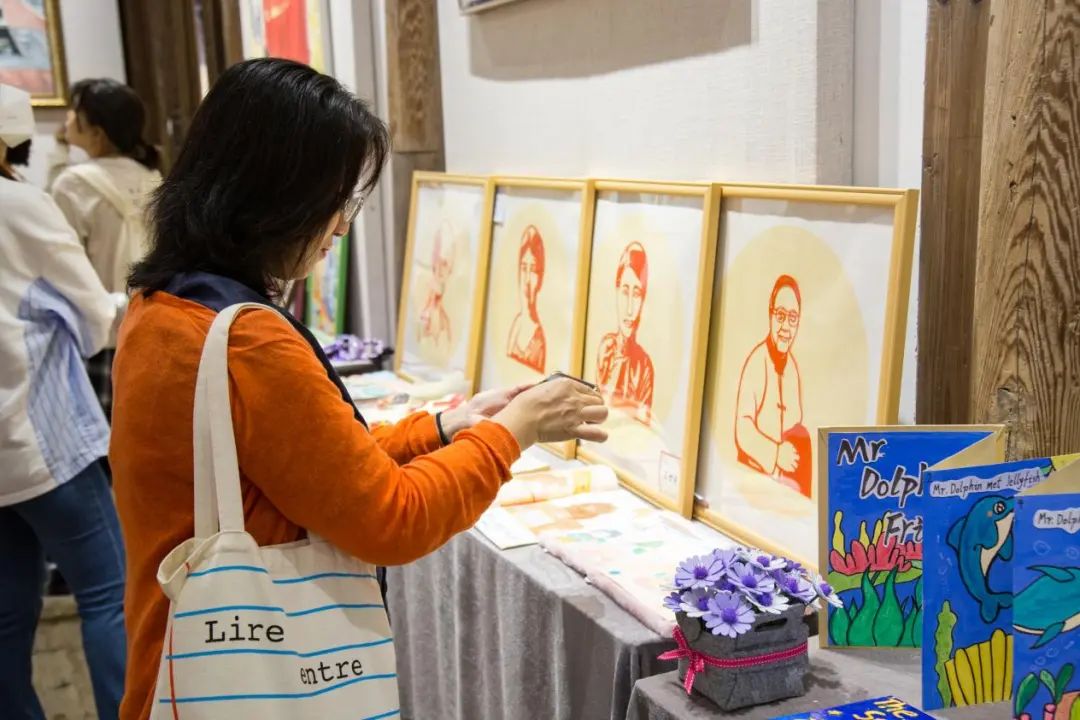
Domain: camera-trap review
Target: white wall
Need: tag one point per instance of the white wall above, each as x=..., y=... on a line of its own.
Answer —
x=94, y=48
x=890, y=65
x=680, y=89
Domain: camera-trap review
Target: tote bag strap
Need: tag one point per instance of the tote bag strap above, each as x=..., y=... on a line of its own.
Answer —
x=218, y=505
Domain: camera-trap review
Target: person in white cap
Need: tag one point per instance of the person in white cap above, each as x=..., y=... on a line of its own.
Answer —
x=54, y=492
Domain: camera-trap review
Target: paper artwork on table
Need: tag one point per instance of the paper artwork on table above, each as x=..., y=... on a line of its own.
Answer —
x=538, y=486
x=970, y=545
x=883, y=708
x=604, y=512
x=642, y=331
x=530, y=314
x=440, y=303
x=873, y=498
x=1046, y=599
x=803, y=321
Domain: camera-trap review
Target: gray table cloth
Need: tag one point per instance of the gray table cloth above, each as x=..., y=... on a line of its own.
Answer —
x=836, y=677
x=484, y=634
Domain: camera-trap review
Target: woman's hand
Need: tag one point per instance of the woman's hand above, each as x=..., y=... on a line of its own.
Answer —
x=482, y=406
x=555, y=411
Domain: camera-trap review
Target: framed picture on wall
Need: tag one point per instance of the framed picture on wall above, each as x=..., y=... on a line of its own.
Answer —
x=32, y=50
x=293, y=29
x=327, y=287
x=810, y=307
x=534, y=313
x=653, y=250
x=443, y=283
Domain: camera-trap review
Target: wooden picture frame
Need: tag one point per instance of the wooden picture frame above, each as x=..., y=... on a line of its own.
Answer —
x=902, y=205
x=479, y=269
x=20, y=60
x=709, y=197
x=582, y=256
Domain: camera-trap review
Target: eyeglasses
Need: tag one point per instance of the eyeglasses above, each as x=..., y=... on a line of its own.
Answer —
x=786, y=316
x=352, y=207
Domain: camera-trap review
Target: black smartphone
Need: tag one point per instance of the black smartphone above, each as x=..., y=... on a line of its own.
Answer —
x=558, y=374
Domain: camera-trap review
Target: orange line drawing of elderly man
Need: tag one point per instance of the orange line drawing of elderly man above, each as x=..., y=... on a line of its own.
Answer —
x=623, y=368
x=527, y=344
x=434, y=324
x=769, y=434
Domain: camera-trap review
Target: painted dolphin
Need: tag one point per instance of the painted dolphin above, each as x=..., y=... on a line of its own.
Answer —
x=1050, y=605
x=979, y=538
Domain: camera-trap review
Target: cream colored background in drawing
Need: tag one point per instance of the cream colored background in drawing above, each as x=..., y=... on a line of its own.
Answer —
x=462, y=207
x=839, y=255
x=670, y=229
x=557, y=216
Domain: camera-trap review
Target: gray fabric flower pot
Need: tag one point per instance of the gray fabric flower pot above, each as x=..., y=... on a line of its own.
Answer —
x=743, y=687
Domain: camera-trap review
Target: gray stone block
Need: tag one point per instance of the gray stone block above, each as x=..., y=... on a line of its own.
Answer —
x=733, y=689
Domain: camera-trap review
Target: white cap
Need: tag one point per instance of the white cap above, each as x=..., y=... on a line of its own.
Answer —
x=16, y=116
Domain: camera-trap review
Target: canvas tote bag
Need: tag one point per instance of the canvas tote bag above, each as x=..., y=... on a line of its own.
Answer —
x=288, y=631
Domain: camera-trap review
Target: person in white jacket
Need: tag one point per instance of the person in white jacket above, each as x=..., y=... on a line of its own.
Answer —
x=105, y=198
x=54, y=491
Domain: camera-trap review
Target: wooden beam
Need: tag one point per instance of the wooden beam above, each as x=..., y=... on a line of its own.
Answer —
x=952, y=142
x=415, y=86
x=1026, y=351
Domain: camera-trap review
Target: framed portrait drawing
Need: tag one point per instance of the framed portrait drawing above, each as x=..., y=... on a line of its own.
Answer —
x=650, y=280
x=534, y=313
x=32, y=50
x=327, y=285
x=444, y=278
x=810, y=307
x=292, y=29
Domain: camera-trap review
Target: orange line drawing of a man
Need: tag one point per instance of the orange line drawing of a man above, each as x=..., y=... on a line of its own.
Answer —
x=527, y=343
x=769, y=434
x=434, y=321
x=623, y=368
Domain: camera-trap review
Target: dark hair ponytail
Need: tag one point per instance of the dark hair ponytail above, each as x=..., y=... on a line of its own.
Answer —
x=118, y=111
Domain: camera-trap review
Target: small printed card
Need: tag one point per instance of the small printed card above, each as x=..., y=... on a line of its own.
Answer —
x=882, y=708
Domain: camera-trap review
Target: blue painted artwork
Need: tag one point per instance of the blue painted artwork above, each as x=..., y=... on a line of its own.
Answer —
x=874, y=539
x=968, y=598
x=1046, y=607
x=882, y=708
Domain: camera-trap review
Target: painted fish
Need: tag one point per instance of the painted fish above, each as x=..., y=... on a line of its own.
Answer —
x=1050, y=605
x=979, y=538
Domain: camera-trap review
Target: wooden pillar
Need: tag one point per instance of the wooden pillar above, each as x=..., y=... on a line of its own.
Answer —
x=1026, y=350
x=952, y=142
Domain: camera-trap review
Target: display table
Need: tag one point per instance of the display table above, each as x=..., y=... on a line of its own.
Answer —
x=484, y=634
x=836, y=677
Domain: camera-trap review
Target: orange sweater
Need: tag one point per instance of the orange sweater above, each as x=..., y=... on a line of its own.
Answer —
x=305, y=462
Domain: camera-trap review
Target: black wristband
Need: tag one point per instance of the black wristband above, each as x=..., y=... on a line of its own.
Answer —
x=438, y=426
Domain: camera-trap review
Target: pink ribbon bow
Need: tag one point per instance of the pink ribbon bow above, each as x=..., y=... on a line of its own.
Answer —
x=698, y=661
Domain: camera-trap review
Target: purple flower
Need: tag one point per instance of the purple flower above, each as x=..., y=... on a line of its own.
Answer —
x=796, y=586
x=725, y=557
x=728, y=615
x=750, y=579
x=767, y=562
x=673, y=601
x=826, y=592
x=698, y=572
x=695, y=602
x=771, y=602
x=725, y=585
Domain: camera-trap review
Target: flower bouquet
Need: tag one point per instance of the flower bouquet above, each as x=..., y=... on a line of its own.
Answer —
x=741, y=634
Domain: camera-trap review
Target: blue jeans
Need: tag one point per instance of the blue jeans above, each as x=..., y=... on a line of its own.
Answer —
x=76, y=525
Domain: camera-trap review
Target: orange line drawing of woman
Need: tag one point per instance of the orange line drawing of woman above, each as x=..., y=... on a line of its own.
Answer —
x=623, y=368
x=769, y=433
x=526, y=343
x=434, y=324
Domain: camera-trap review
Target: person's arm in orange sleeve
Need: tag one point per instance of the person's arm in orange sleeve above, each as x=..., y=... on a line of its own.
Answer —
x=759, y=446
x=300, y=444
x=410, y=438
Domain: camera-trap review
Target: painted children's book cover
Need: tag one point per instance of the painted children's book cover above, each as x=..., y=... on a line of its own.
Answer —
x=327, y=287
x=1046, y=600
x=969, y=549
x=872, y=489
x=882, y=708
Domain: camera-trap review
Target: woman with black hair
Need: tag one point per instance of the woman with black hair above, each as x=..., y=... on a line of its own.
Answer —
x=105, y=199
x=277, y=162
